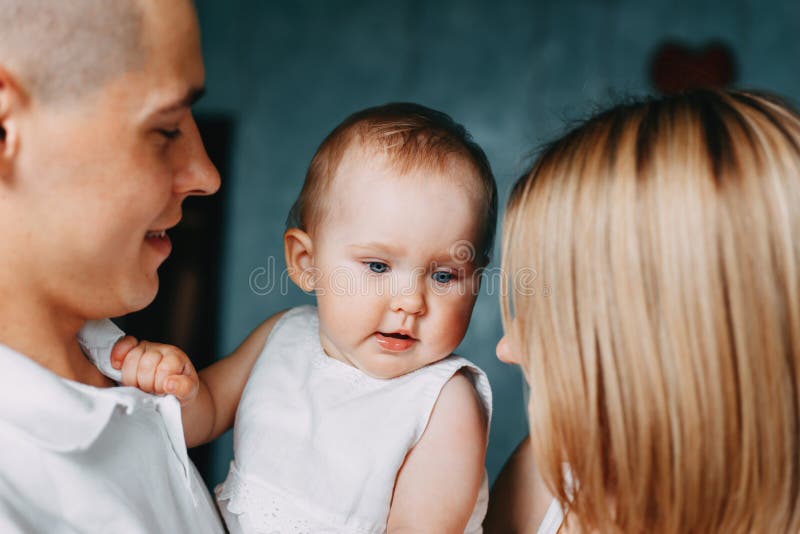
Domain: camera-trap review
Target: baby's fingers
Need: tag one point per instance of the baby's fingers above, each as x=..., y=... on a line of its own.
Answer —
x=172, y=363
x=130, y=366
x=121, y=349
x=182, y=386
x=146, y=372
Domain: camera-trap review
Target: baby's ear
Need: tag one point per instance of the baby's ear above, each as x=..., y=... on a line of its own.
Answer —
x=299, y=251
x=10, y=101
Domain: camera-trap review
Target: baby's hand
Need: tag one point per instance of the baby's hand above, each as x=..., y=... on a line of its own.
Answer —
x=156, y=368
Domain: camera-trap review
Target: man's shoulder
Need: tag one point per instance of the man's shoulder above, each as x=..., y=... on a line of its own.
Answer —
x=20, y=514
x=24, y=483
x=21, y=456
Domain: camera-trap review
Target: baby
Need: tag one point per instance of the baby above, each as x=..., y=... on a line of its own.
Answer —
x=354, y=415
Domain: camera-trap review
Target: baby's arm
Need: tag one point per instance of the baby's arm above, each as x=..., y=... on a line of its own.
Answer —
x=438, y=484
x=208, y=400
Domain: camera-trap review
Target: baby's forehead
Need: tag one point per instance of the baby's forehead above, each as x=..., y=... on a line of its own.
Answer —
x=423, y=209
x=364, y=167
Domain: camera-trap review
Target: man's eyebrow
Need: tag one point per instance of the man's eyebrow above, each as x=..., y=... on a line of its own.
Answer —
x=192, y=95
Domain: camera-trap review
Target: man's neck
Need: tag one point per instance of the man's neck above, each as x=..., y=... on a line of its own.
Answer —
x=47, y=337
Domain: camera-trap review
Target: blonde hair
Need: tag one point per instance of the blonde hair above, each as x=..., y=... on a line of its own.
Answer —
x=413, y=137
x=664, y=364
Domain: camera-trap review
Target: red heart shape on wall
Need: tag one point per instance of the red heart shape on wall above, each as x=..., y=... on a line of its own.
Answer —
x=677, y=67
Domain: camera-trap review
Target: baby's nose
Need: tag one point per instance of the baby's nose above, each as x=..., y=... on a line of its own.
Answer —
x=411, y=303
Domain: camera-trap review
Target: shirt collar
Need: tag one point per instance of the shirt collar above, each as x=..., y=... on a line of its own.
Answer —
x=57, y=413
x=97, y=338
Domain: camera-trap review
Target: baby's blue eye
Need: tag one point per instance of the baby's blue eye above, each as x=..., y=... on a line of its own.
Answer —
x=443, y=277
x=377, y=267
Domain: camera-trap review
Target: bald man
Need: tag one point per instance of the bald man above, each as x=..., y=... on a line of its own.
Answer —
x=98, y=150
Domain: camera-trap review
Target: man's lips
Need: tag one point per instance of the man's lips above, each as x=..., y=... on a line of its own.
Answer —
x=395, y=341
x=159, y=240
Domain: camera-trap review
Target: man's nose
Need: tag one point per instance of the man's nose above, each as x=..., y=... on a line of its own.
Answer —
x=196, y=176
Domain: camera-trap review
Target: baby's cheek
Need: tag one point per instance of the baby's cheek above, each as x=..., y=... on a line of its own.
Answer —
x=455, y=321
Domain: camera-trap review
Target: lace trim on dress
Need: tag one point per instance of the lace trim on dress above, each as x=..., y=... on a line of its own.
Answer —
x=268, y=511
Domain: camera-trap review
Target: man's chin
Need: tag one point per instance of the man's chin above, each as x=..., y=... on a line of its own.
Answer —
x=139, y=297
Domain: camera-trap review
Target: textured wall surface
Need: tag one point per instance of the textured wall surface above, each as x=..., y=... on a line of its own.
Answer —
x=510, y=71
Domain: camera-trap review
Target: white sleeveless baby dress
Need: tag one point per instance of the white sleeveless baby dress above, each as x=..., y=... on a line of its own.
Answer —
x=318, y=443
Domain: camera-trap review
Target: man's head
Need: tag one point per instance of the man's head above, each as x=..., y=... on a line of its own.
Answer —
x=98, y=148
x=413, y=138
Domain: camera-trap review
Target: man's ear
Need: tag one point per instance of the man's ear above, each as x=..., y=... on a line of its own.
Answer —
x=299, y=251
x=10, y=103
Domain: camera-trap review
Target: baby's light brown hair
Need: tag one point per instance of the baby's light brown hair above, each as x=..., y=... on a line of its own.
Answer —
x=412, y=137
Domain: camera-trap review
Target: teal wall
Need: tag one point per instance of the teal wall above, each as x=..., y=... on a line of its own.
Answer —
x=510, y=71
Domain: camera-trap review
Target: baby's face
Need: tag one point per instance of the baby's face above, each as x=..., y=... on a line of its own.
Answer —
x=393, y=288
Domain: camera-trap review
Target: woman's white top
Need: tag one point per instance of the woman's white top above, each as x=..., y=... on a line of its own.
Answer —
x=318, y=443
x=552, y=519
x=80, y=459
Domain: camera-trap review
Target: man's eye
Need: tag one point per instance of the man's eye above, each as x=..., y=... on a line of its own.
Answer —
x=442, y=277
x=377, y=267
x=170, y=134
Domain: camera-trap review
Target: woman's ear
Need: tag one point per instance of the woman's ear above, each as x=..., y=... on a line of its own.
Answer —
x=10, y=100
x=299, y=251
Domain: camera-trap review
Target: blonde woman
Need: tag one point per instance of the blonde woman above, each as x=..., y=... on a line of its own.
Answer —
x=664, y=362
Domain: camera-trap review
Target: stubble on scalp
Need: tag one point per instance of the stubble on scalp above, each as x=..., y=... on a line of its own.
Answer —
x=59, y=50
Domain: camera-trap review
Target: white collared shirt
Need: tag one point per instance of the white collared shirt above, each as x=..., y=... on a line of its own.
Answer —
x=80, y=459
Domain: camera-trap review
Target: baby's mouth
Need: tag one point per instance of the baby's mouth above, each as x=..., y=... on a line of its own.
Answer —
x=395, y=335
x=394, y=341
